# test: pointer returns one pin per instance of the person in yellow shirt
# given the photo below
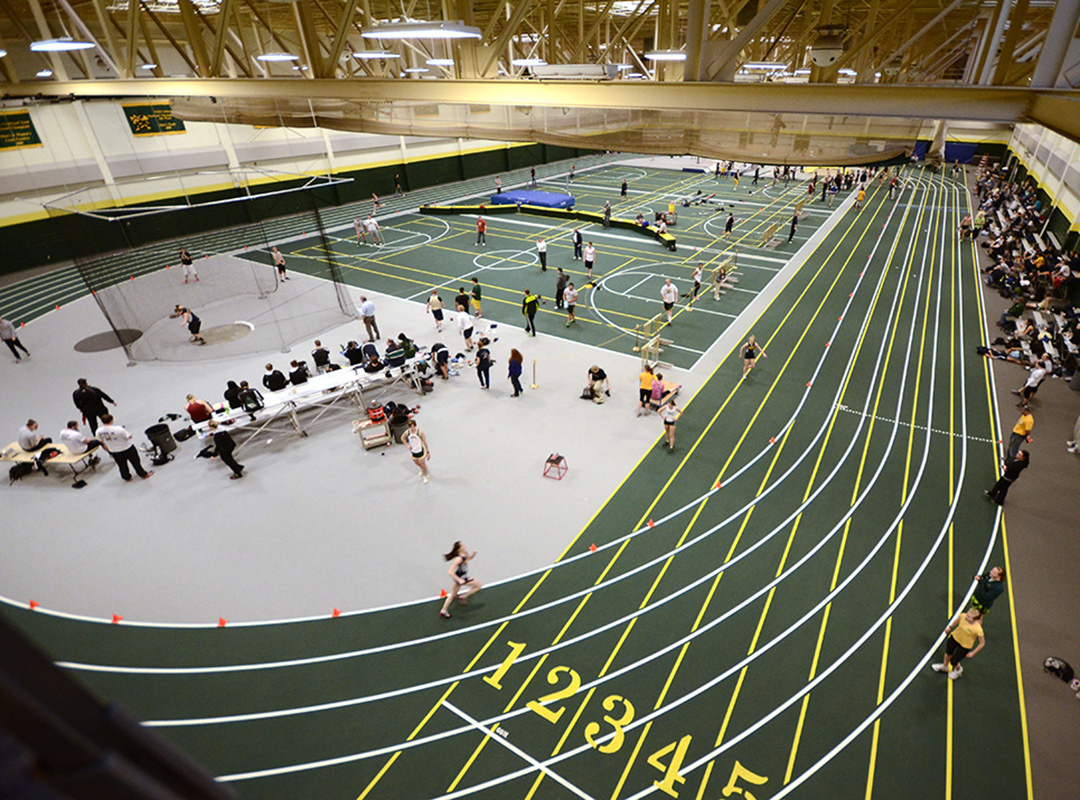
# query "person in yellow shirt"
(645, 382)
(965, 641)
(1021, 432)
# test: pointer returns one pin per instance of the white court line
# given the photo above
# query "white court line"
(496, 737)
(912, 425)
(826, 481)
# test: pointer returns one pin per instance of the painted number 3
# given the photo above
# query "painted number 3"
(593, 728)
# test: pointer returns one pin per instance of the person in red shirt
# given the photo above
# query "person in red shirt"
(198, 410)
(481, 231)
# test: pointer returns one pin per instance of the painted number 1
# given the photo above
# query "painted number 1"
(495, 678)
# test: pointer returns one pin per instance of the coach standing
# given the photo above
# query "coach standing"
(90, 400)
(120, 444)
(367, 313)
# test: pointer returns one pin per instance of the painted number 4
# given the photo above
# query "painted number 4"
(741, 773)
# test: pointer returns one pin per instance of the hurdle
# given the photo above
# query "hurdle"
(651, 350)
(721, 278)
(799, 208)
(646, 331)
(770, 239)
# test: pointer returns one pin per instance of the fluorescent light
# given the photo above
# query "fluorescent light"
(278, 56)
(770, 65)
(801, 72)
(366, 55)
(44, 73)
(528, 62)
(421, 30)
(846, 71)
(666, 55)
(440, 62)
(635, 75)
(148, 66)
(2, 52)
(622, 67)
(417, 70)
(59, 45)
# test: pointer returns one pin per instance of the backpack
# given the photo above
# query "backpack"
(657, 390)
(1058, 667)
(19, 471)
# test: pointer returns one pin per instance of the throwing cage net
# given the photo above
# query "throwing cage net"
(243, 302)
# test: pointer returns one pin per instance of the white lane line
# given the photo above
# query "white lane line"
(495, 736)
(826, 481)
(911, 425)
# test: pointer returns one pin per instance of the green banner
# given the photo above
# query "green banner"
(152, 119)
(16, 130)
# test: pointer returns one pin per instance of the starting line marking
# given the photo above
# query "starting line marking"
(891, 421)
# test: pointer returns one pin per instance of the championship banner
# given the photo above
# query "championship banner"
(152, 119)
(16, 130)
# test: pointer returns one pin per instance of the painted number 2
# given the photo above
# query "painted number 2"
(560, 694)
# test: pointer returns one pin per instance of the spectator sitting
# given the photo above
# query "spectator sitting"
(198, 410)
(321, 357)
(78, 442)
(274, 380)
(29, 440)
(395, 354)
(353, 353)
(373, 364)
(232, 394)
(407, 344)
(250, 399)
(299, 373)
(369, 349)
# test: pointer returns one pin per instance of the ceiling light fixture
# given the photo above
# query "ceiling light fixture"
(367, 55)
(148, 66)
(421, 30)
(846, 71)
(801, 72)
(44, 73)
(277, 56)
(417, 70)
(528, 62)
(666, 55)
(440, 62)
(767, 65)
(2, 52)
(61, 44)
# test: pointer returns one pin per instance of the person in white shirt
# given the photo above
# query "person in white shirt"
(589, 254)
(279, 262)
(669, 294)
(696, 277)
(1035, 377)
(541, 251)
(465, 327)
(367, 313)
(29, 439)
(570, 300)
(120, 444)
(669, 413)
(78, 442)
(372, 226)
(361, 231)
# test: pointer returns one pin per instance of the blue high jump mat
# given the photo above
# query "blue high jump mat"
(519, 197)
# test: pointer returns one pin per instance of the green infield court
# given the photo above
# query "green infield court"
(421, 253)
(754, 615)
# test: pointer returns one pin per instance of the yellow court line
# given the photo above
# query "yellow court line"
(738, 686)
(994, 426)
(911, 433)
(644, 517)
(871, 769)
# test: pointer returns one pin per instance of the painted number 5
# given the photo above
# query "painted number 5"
(593, 728)
(560, 694)
(741, 773)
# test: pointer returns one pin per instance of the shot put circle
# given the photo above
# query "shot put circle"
(505, 260)
(220, 334)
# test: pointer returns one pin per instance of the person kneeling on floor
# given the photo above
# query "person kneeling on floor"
(598, 385)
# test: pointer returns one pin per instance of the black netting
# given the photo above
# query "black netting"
(232, 285)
